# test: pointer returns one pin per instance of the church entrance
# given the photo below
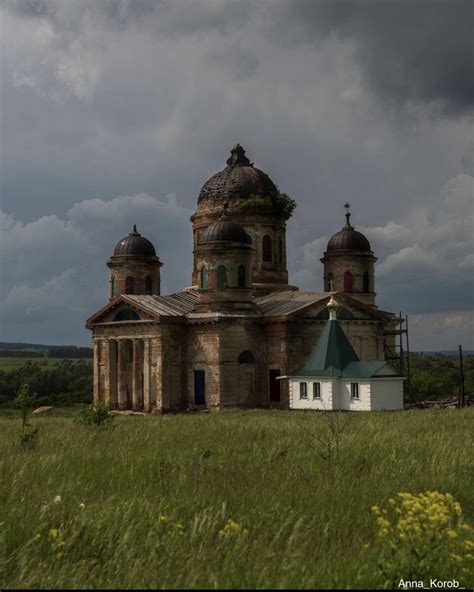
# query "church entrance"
(199, 387)
(274, 386)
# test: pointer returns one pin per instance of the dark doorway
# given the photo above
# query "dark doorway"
(275, 394)
(199, 387)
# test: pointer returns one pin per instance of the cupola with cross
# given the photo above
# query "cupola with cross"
(255, 202)
(134, 267)
(349, 263)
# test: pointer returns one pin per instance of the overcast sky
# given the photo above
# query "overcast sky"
(115, 112)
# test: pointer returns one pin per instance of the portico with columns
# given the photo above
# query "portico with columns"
(123, 373)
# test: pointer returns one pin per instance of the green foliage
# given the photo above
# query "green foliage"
(67, 382)
(97, 414)
(420, 535)
(279, 203)
(435, 377)
(25, 401)
(146, 505)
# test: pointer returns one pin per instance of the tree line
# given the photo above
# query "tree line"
(55, 351)
(65, 383)
(437, 377)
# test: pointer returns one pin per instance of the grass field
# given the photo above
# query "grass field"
(236, 499)
(8, 364)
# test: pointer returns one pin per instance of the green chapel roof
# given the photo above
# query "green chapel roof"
(331, 354)
(334, 356)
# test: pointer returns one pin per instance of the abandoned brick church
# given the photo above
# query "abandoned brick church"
(223, 341)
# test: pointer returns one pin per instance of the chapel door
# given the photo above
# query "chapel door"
(199, 387)
(274, 384)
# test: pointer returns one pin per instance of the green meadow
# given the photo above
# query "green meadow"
(234, 499)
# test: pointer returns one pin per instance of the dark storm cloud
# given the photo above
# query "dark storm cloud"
(408, 51)
(104, 98)
(170, 17)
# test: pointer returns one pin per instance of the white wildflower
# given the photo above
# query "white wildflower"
(57, 499)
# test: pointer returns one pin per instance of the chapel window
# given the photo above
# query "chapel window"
(366, 281)
(126, 314)
(148, 285)
(267, 248)
(203, 277)
(246, 357)
(221, 277)
(354, 390)
(348, 282)
(303, 390)
(114, 287)
(129, 285)
(316, 390)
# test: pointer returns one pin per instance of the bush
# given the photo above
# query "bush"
(97, 414)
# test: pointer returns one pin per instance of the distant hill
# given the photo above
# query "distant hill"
(446, 352)
(38, 350)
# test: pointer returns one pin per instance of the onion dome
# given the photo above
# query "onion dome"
(348, 238)
(225, 230)
(134, 245)
(240, 180)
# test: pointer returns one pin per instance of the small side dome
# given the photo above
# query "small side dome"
(225, 230)
(348, 238)
(134, 245)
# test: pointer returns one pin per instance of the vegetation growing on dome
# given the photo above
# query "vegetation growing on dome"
(278, 203)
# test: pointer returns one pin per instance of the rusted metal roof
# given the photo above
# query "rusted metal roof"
(276, 304)
(174, 305)
(285, 303)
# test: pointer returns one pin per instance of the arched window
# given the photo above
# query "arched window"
(148, 285)
(348, 282)
(221, 277)
(241, 276)
(246, 357)
(114, 287)
(280, 249)
(129, 285)
(126, 314)
(203, 277)
(330, 282)
(366, 281)
(267, 248)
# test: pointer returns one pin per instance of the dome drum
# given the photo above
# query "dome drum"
(134, 267)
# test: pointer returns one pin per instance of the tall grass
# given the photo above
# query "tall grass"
(145, 502)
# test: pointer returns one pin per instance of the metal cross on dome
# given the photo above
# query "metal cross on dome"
(347, 205)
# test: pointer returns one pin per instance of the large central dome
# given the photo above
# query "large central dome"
(240, 180)
(255, 203)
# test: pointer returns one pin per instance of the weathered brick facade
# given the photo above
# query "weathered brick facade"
(222, 342)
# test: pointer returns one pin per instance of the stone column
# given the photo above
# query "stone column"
(137, 375)
(96, 382)
(122, 375)
(146, 375)
(112, 374)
